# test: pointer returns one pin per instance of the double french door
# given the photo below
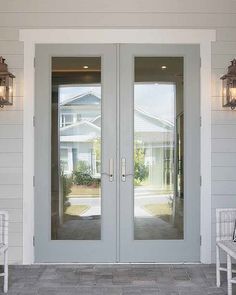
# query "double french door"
(117, 153)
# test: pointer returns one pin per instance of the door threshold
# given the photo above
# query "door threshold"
(116, 263)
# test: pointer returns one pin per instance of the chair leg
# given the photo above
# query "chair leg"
(229, 274)
(217, 266)
(5, 288)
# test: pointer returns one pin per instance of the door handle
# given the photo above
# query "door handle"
(123, 169)
(111, 170)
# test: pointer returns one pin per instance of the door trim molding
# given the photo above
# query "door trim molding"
(30, 37)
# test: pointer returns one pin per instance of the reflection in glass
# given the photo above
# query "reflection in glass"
(76, 148)
(158, 148)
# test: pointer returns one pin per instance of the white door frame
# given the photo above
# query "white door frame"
(30, 37)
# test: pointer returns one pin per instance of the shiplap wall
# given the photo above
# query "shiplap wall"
(209, 14)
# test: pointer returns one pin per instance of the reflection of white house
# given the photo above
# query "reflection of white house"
(80, 131)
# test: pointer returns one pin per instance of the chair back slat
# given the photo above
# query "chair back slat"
(225, 223)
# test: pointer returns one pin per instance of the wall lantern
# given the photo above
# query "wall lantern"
(229, 86)
(6, 84)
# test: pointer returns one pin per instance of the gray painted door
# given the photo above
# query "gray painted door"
(75, 151)
(160, 153)
(117, 153)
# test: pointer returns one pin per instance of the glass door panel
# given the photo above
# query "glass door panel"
(158, 101)
(76, 148)
(160, 153)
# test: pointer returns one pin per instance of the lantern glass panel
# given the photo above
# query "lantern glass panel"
(224, 92)
(10, 90)
(2, 93)
(233, 88)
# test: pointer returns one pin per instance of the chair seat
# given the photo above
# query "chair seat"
(229, 247)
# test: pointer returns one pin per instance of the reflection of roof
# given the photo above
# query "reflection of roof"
(83, 131)
(144, 121)
(78, 124)
(97, 121)
(163, 124)
(88, 98)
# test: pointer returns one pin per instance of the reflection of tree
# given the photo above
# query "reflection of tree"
(97, 151)
(97, 148)
(67, 183)
(140, 169)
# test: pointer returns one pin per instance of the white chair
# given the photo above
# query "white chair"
(4, 246)
(225, 222)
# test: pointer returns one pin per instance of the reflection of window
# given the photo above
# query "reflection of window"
(64, 160)
(66, 119)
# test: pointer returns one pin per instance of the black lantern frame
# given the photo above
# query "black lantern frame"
(6, 84)
(229, 86)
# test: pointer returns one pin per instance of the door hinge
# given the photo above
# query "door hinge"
(200, 240)
(200, 121)
(34, 241)
(200, 62)
(34, 121)
(33, 181)
(200, 180)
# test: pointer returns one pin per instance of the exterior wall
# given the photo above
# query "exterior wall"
(208, 14)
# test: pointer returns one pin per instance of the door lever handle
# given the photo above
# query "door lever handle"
(111, 170)
(123, 169)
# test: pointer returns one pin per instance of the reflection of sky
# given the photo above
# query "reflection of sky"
(66, 92)
(156, 99)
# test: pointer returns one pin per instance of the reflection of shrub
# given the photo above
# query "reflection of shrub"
(140, 169)
(67, 183)
(83, 168)
(82, 178)
(96, 181)
(82, 175)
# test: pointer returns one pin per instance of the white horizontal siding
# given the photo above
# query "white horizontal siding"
(223, 145)
(224, 187)
(216, 14)
(223, 173)
(11, 191)
(11, 145)
(11, 160)
(226, 34)
(9, 34)
(17, 104)
(227, 131)
(221, 61)
(14, 61)
(223, 159)
(11, 47)
(225, 116)
(168, 6)
(11, 131)
(10, 176)
(12, 117)
(112, 19)
(223, 48)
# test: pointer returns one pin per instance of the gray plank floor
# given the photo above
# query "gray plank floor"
(114, 279)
